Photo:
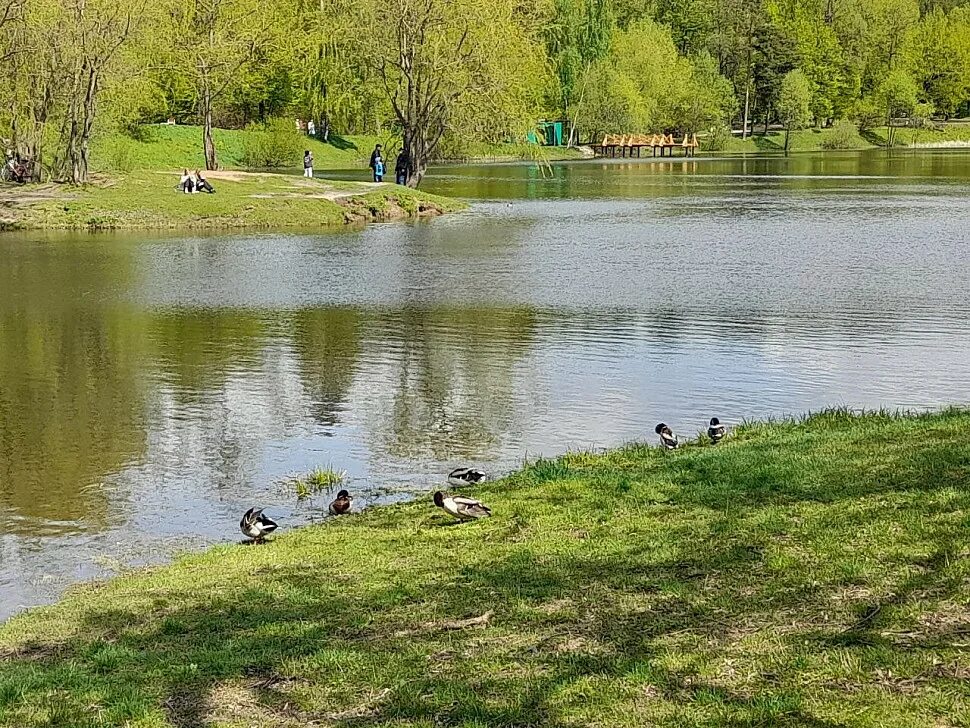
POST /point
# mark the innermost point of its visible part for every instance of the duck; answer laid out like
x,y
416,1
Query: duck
x,y
257,526
341,505
465,476
462,508
716,431
667,438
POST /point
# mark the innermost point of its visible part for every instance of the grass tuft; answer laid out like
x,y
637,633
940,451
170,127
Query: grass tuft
x,y
317,480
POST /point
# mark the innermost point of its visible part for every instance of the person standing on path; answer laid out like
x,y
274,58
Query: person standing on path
x,y
377,162
401,168
307,163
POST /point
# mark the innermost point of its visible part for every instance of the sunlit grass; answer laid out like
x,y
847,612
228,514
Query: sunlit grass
x,y
809,572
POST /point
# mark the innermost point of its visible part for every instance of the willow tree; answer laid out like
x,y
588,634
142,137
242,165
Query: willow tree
x,y
445,65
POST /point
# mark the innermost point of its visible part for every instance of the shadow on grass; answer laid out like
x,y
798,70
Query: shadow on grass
x,y
335,140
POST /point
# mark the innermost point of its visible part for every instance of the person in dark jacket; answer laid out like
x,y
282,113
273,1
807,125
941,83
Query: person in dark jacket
x,y
201,183
307,163
401,168
377,162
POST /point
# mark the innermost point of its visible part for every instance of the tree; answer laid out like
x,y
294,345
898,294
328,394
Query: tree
x,y
794,103
898,96
445,65
938,53
95,31
578,35
219,39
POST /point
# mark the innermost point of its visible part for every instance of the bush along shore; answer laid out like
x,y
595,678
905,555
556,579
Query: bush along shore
x,y
147,200
799,573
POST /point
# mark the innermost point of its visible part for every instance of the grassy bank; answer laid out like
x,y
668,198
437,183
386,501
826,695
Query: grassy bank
x,y
798,574
816,140
163,147
146,199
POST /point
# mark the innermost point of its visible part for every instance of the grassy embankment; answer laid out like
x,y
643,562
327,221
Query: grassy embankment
x,y
176,147
150,200
814,140
799,574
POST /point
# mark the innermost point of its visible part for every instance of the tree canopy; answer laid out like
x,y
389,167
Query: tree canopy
x,y
436,74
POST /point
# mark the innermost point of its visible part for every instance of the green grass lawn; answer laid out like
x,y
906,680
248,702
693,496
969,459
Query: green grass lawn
x,y
809,573
164,147
148,199
812,140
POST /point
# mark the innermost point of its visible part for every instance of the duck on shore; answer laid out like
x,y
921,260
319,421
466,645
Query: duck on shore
x,y
667,438
462,508
716,431
341,504
465,476
257,526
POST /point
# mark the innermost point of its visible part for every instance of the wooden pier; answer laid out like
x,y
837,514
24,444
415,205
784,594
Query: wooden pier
x,y
624,145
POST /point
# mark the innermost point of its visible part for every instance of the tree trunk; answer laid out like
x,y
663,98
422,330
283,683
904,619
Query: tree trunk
x,y
747,100
208,146
415,147
325,128
787,135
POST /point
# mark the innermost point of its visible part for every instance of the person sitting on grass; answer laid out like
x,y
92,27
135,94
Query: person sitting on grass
x,y
186,183
202,184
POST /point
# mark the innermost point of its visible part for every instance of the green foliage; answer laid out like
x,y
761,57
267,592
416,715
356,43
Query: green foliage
x,y
844,135
274,144
487,70
800,573
795,102
717,140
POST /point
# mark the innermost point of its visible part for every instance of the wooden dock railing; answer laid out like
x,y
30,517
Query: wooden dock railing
x,y
623,145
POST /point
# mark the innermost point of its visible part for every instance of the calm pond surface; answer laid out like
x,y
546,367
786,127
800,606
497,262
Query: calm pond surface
x,y
152,388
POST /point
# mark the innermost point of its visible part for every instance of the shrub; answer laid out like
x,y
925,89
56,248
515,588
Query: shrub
x,y
121,155
844,135
717,139
274,144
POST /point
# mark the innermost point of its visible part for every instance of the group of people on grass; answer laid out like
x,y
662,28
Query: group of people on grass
x,y
195,182
400,166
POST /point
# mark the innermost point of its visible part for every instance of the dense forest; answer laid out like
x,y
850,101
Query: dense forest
x,y
437,72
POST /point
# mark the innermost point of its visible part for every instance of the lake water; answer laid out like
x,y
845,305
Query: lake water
x,y
152,388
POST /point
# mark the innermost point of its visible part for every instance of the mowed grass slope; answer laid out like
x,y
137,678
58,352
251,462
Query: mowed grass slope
x,y
150,200
798,574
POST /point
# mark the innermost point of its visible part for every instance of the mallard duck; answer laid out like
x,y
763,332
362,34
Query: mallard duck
x,y
341,504
257,526
462,508
716,431
667,438
465,476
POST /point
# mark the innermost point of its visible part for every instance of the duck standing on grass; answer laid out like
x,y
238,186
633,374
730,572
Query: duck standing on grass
x,y
465,476
667,438
716,431
462,508
257,526
341,505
